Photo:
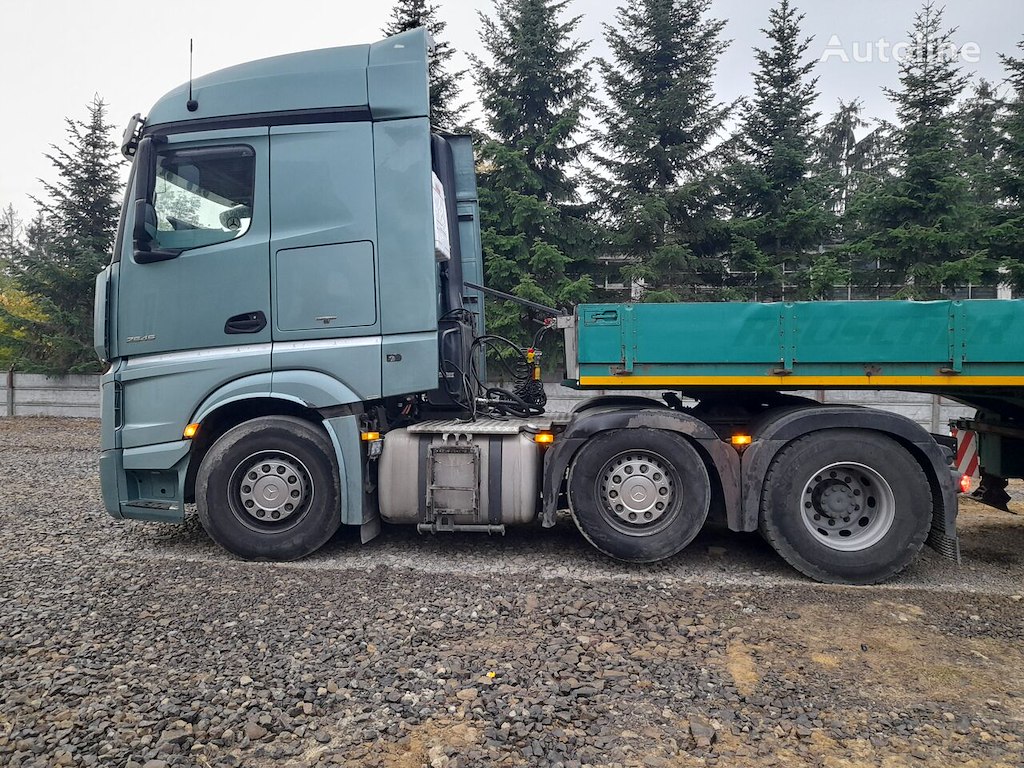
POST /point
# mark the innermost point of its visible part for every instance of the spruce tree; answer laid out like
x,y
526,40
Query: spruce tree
x,y
920,224
536,235
780,203
978,128
12,301
68,243
978,120
837,149
446,108
11,230
1008,231
847,160
659,123
24,328
979,139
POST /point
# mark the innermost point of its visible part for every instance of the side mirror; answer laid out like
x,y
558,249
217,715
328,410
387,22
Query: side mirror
x,y
144,235
144,230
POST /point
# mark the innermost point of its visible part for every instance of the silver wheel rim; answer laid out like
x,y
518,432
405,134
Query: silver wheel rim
x,y
847,506
637,489
272,488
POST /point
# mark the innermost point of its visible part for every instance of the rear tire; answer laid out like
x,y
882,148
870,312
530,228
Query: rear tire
x,y
846,506
268,489
639,495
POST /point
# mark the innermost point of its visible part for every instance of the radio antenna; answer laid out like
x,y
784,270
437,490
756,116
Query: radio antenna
x,y
191,105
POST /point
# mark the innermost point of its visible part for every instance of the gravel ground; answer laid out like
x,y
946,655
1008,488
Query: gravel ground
x,y
135,644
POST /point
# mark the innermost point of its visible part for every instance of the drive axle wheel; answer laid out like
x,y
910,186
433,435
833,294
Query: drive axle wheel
x,y
639,494
268,489
846,506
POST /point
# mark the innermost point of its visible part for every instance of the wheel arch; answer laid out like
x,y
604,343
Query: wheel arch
x,y
231,412
595,417
309,395
775,430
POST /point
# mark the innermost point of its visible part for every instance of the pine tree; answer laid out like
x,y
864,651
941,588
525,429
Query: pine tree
x,y
780,203
536,235
445,87
1008,232
658,125
919,224
68,243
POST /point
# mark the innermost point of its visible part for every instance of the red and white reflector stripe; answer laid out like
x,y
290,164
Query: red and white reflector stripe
x,y
967,452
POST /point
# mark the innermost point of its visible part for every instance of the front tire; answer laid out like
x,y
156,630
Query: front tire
x,y
268,489
846,506
639,495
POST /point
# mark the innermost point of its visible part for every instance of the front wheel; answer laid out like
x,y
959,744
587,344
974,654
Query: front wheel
x,y
268,489
846,506
639,494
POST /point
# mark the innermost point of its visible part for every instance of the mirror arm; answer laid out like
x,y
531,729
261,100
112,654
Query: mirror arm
x,y
151,257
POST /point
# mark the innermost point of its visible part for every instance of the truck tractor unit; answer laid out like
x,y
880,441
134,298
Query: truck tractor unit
x,y
293,319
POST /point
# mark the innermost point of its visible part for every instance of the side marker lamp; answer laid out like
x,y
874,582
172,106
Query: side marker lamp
x,y
544,438
741,441
965,483
190,431
371,437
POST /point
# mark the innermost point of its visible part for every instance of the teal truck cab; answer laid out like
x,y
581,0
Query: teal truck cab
x,y
292,318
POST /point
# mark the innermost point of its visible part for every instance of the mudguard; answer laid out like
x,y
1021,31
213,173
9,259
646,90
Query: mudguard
x,y
774,429
602,415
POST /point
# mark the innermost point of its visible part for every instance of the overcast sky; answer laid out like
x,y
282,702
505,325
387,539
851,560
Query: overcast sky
x,y
55,54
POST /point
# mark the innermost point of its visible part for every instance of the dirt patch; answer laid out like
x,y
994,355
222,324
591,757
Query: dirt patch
x,y
890,651
425,745
743,668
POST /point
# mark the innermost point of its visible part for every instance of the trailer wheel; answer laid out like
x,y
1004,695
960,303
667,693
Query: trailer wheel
x,y
268,489
639,495
846,506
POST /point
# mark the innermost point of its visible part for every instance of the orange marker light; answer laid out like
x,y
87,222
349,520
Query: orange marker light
x,y
544,438
190,431
965,483
371,437
741,440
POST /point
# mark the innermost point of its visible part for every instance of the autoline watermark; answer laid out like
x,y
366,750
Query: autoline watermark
x,y
885,51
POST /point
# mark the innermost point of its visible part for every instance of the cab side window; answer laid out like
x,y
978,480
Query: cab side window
x,y
203,196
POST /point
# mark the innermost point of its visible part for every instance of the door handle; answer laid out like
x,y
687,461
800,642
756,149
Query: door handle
x,y
250,322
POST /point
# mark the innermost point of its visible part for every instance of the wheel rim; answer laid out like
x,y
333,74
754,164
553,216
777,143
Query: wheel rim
x,y
638,491
271,490
847,506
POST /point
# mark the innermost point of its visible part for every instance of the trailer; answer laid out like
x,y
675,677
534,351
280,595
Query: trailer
x,y
293,318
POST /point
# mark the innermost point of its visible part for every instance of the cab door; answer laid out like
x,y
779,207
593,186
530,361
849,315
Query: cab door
x,y
193,321
324,258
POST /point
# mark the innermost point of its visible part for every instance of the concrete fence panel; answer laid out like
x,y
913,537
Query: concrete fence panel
x,y
32,394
